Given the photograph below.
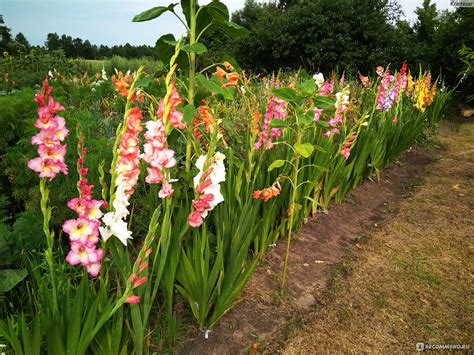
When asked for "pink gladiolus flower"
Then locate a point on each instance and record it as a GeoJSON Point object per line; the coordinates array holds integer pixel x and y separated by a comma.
{"type": "Point", "coordinates": [317, 114]}
{"type": "Point", "coordinates": [380, 71]}
{"type": "Point", "coordinates": [276, 110]}
{"type": "Point", "coordinates": [166, 190]}
{"type": "Point", "coordinates": [83, 254]}
{"type": "Point", "coordinates": [155, 176]}
{"type": "Point", "coordinates": [207, 188]}
{"type": "Point", "coordinates": [156, 151]}
{"type": "Point", "coordinates": [80, 229]}
{"type": "Point", "coordinates": [346, 152]}
{"type": "Point", "coordinates": [84, 231]}
{"type": "Point", "coordinates": [133, 299]}
{"type": "Point", "coordinates": [140, 282]}
{"type": "Point", "coordinates": [93, 269]}
{"type": "Point", "coordinates": [174, 117]}
{"type": "Point", "coordinates": [53, 131]}
{"type": "Point", "coordinates": [195, 219]}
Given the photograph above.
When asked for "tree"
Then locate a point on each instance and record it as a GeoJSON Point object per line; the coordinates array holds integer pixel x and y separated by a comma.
{"type": "Point", "coordinates": [53, 42]}
{"type": "Point", "coordinates": [21, 39]}
{"type": "Point", "coordinates": [5, 36]}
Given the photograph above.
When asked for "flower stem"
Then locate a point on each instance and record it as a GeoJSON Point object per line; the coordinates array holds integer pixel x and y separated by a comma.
{"type": "Point", "coordinates": [46, 211]}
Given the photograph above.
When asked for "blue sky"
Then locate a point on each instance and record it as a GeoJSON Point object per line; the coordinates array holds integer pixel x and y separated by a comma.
{"type": "Point", "coordinates": [109, 21]}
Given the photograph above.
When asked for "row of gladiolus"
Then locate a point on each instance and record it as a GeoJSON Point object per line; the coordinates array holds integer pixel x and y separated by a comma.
{"type": "Point", "coordinates": [267, 154]}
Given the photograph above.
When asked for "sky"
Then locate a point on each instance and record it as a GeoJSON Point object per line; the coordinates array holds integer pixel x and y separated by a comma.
{"type": "Point", "coordinates": [109, 21]}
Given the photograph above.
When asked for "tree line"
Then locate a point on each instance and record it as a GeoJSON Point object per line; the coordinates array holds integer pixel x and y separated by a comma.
{"type": "Point", "coordinates": [352, 35]}
{"type": "Point", "coordinates": [72, 47]}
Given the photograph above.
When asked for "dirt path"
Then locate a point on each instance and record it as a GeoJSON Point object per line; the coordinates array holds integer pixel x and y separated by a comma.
{"type": "Point", "coordinates": [411, 280]}
{"type": "Point", "coordinates": [428, 229]}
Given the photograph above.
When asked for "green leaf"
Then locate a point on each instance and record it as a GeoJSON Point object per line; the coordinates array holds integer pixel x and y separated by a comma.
{"type": "Point", "coordinates": [234, 30]}
{"type": "Point", "coordinates": [308, 87]}
{"type": "Point", "coordinates": [164, 47]}
{"type": "Point", "coordinates": [214, 87]}
{"type": "Point", "coordinates": [304, 149]}
{"type": "Point", "coordinates": [9, 278]}
{"type": "Point", "coordinates": [276, 164]}
{"type": "Point", "coordinates": [278, 123]}
{"type": "Point", "coordinates": [153, 13]}
{"type": "Point", "coordinates": [197, 48]}
{"type": "Point", "coordinates": [145, 81]}
{"type": "Point", "coordinates": [286, 94]}
{"type": "Point", "coordinates": [324, 102]}
{"type": "Point", "coordinates": [188, 111]}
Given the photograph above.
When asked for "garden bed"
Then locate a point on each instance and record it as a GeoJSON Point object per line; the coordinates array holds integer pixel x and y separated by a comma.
{"type": "Point", "coordinates": [316, 255]}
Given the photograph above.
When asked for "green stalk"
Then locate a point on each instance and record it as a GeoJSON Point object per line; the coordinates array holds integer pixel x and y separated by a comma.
{"type": "Point", "coordinates": [294, 179]}
{"type": "Point", "coordinates": [191, 80]}
{"type": "Point", "coordinates": [46, 211]}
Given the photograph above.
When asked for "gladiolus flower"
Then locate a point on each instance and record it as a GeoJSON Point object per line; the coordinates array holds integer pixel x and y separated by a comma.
{"type": "Point", "coordinates": [318, 79]}
{"type": "Point", "coordinates": [133, 299]}
{"type": "Point", "coordinates": [267, 193]}
{"type": "Point", "coordinates": [346, 152]}
{"type": "Point", "coordinates": [317, 114]}
{"type": "Point", "coordinates": [206, 183]}
{"type": "Point", "coordinates": [140, 282]}
{"type": "Point", "coordinates": [276, 110]}
{"type": "Point", "coordinates": [53, 131]}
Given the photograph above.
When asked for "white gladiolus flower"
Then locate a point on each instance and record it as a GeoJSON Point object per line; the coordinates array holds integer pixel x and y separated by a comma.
{"type": "Point", "coordinates": [318, 79]}
{"type": "Point", "coordinates": [114, 222]}
{"type": "Point", "coordinates": [216, 176]}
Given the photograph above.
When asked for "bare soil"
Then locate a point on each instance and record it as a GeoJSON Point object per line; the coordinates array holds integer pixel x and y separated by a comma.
{"type": "Point", "coordinates": [266, 322]}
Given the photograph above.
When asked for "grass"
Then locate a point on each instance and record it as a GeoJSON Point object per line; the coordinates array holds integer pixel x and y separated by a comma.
{"type": "Point", "coordinates": [411, 280]}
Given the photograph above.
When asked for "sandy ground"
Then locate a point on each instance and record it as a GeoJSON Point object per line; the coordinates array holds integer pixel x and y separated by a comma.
{"type": "Point", "coordinates": [411, 280]}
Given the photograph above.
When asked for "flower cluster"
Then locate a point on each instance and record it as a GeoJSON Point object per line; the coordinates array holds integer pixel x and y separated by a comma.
{"type": "Point", "coordinates": [232, 76]}
{"type": "Point", "coordinates": [53, 131]}
{"type": "Point", "coordinates": [364, 80]}
{"type": "Point", "coordinates": [138, 278]}
{"type": "Point", "coordinates": [207, 188]}
{"type": "Point", "coordinates": [159, 156]}
{"type": "Point", "coordinates": [342, 105]}
{"type": "Point", "coordinates": [156, 151]}
{"type": "Point", "coordinates": [84, 231]}
{"type": "Point", "coordinates": [268, 193]}
{"type": "Point", "coordinates": [325, 87]}
{"type": "Point", "coordinates": [127, 168]}
{"type": "Point", "coordinates": [101, 78]}
{"type": "Point", "coordinates": [173, 116]}
{"type": "Point", "coordinates": [384, 100]}
{"type": "Point", "coordinates": [422, 92]}
{"type": "Point", "coordinates": [276, 110]}
{"type": "Point", "coordinates": [346, 148]}
{"type": "Point", "coordinates": [400, 84]}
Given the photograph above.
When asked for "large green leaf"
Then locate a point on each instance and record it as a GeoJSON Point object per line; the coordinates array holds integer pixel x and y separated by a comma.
{"type": "Point", "coordinates": [324, 102]}
{"type": "Point", "coordinates": [234, 30]}
{"type": "Point", "coordinates": [188, 111]}
{"type": "Point", "coordinates": [164, 48]}
{"type": "Point", "coordinates": [214, 87]}
{"type": "Point", "coordinates": [198, 48]}
{"type": "Point", "coordinates": [276, 164]}
{"type": "Point", "coordinates": [285, 94]}
{"type": "Point", "coordinates": [304, 149]}
{"type": "Point", "coordinates": [9, 278]}
{"type": "Point", "coordinates": [153, 13]}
